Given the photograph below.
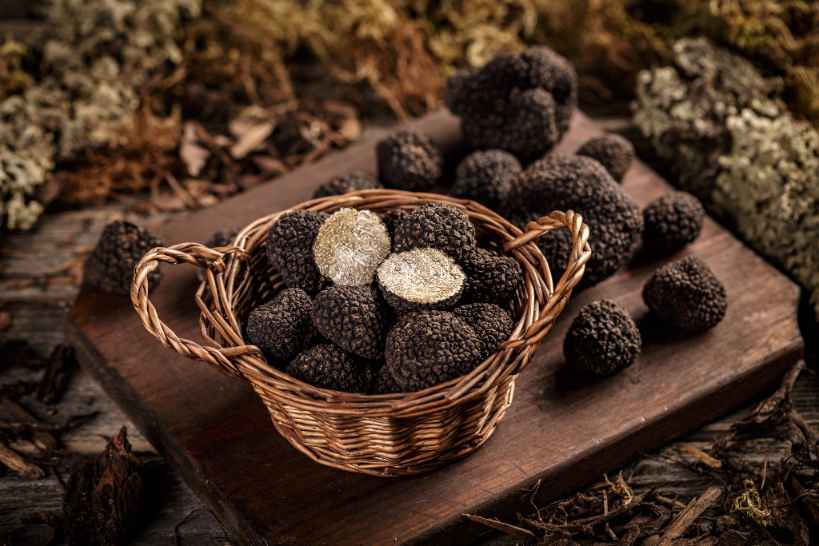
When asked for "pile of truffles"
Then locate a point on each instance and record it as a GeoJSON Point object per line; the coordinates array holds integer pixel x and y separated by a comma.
{"type": "Point", "coordinates": [382, 304]}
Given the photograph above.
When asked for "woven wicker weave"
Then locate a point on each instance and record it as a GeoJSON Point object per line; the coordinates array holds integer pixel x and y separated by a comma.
{"type": "Point", "coordinates": [383, 435]}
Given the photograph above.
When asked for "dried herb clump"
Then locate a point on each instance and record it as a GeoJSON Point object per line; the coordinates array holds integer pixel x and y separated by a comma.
{"type": "Point", "coordinates": [614, 152]}
{"type": "Point", "coordinates": [346, 183]}
{"type": "Point", "coordinates": [672, 221]}
{"type": "Point", "coordinates": [282, 327]}
{"type": "Point", "coordinates": [420, 279]}
{"type": "Point", "coordinates": [428, 348]}
{"type": "Point", "coordinates": [352, 317]}
{"type": "Point", "coordinates": [329, 367]}
{"type": "Point", "coordinates": [110, 266]}
{"type": "Point", "coordinates": [289, 248]}
{"type": "Point", "coordinates": [408, 161]}
{"type": "Point", "coordinates": [350, 245]}
{"type": "Point", "coordinates": [486, 177]}
{"type": "Point", "coordinates": [602, 339]}
{"type": "Point", "coordinates": [491, 278]}
{"type": "Point", "coordinates": [492, 324]}
{"type": "Point", "coordinates": [444, 227]}
{"type": "Point", "coordinates": [521, 103]}
{"type": "Point", "coordinates": [686, 295]}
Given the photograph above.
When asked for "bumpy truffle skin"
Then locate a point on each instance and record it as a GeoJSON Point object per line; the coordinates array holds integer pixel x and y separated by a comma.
{"type": "Point", "coordinates": [491, 278]}
{"type": "Point", "coordinates": [391, 219]}
{"type": "Point", "coordinates": [431, 347]}
{"type": "Point", "coordinates": [346, 183]}
{"type": "Point", "coordinates": [602, 339]}
{"type": "Point", "coordinates": [408, 161]}
{"type": "Point", "coordinates": [282, 327]}
{"type": "Point", "coordinates": [290, 249]}
{"type": "Point", "coordinates": [110, 267]}
{"type": "Point", "coordinates": [687, 295]}
{"type": "Point", "coordinates": [485, 177]}
{"type": "Point", "coordinates": [570, 182]}
{"type": "Point", "coordinates": [614, 152]}
{"type": "Point", "coordinates": [352, 317]}
{"type": "Point", "coordinates": [521, 103]}
{"type": "Point", "coordinates": [329, 367]}
{"type": "Point", "coordinates": [443, 227]}
{"type": "Point", "coordinates": [384, 382]}
{"type": "Point", "coordinates": [492, 324]}
{"type": "Point", "coordinates": [672, 221]}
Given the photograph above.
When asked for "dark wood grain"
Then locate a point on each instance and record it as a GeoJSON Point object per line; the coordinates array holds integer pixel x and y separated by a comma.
{"type": "Point", "coordinates": [219, 435]}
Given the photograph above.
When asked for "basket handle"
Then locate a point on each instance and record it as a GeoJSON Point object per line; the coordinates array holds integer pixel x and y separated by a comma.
{"type": "Point", "coordinates": [576, 266]}
{"type": "Point", "coordinates": [200, 256]}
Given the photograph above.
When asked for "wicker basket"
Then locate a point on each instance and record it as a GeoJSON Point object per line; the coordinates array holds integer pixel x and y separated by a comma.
{"type": "Point", "coordinates": [381, 435]}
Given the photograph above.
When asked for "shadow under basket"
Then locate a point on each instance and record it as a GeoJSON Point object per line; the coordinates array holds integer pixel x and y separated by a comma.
{"type": "Point", "coordinates": [380, 435]}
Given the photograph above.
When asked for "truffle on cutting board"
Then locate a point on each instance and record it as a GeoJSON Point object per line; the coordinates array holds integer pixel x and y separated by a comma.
{"type": "Point", "coordinates": [408, 161]}
{"type": "Point", "coordinates": [289, 248]}
{"type": "Point", "coordinates": [282, 327]}
{"type": "Point", "coordinates": [110, 266]}
{"type": "Point", "coordinates": [434, 225]}
{"type": "Point", "coordinates": [672, 221]}
{"type": "Point", "coordinates": [352, 317]}
{"type": "Point", "coordinates": [602, 339]}
{"type": "Point", "coordinates": [420, 279]}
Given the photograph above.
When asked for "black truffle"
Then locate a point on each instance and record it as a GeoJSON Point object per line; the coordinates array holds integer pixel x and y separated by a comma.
{"type": "Point", "coordinates": [491, 278]}
{"type": "Point", "coordinates": [346, 183]}
{"type": "Point", "coordinates": [408, 161]}
{"type": "Point", "coordinates": [219, 238]}
{"type": "Point", "coordinates": [565, 182]}
{"type": "Point", "coordinates": [521, 103]}
{"type": "Point", "coordinates": [556, 246]}
{"type": "Point", "coordinates": [614, 152]}
{"type": "Point", "coordinates": [352, 317]}
{"type": "Point", "coordinates": [492, 324]}
{"type": "Point", "coordinates": [672, 221]}
{"type": "Point", "coordinates": [444, 227]}
{"type": "Point", "coordinates": [427, 348]}
{"type": "Point", "coordinates": [329, 367]}
{"type": "Point", "coordinates": [110, 266]}
{"type": "Point", "coordinates": [602, 339]}
{"type": "Point", "coordinates": [290, 249]}
{"type": "Point", "coordinates": [485, 177]}
{"type": "Point", "coordinates": [384, 382]}
{"type": "Point", "coordinates": [687, 295]}
{"type": "Point", "coordinates": [420, 279]}
{"type": "Point", "coordinates": [391, 219]}
{"type": "Point", "coordinates": [282, 328]}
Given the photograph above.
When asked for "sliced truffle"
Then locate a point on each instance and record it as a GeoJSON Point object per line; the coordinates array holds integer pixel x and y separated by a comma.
{"type": "Point", "coordinates": [614, 152]}
{"type": "Point", "coordinates": [672, 221]}
{"type": "Point", "coordinates": [350, 245]}
{"type": "Point", "coordinates": [491, 278]}
{"type": "Point", "coordinates": [352, 317]}
{"type": "Point", "coordinates": [485, 177]}
{"type": "Point", "coordinates": [282, 327]}
{"type": "Point", "coordinates": [421, 278]}
{"type": "Point", "coordinates": [431, 347]}
{"type": "Point", "coordinates": [602, 339]}
{"type": "Point", "coordinates": [384, 382]}
{"type": "Point", "coordinates": [521, 103]}
{"type": "Point", "coordinates": [408, 161]}
{"type": "Point", "coordinates": [329, 367]}
{"type": "Point", "coordinates": [110, 266]}
{"type": "Point", "coordinates": [566, 182]}
{"type": "Point", "coordinates": [492, 324]}
{"type": "Point", "coordinates": [346, 183]}
{"type": "Point", "coordinates": [444, 227]}
{"type": "Point", "coordinates": [687, 295]}
{"type": "Point", "coordinates": [289, 248]}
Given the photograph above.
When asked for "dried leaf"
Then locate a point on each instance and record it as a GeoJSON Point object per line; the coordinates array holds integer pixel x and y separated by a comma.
{"type": "Point", "coordinates": [252, 138]}
{"type": "Point", "coordinates": [191, 153]}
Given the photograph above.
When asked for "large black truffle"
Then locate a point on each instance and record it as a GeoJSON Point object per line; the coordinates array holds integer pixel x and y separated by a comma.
{"type": "Point", "coordinates": [346, 183]}
{"type": "Point", "coordinates": [614, 152]}
{"type": "Point", "coordinates": [672, 221]}
{"type": "Point", "coordinates": [602, 339]}
{"type": "Point", "coordinates": [110, 266]}
{"type": "Point", "coordinates": [687, 295]}
{"type": "Point", "coordinates": [492, 324]}
{"type": "Point", "coordinates": [290, 249]}
{"type": "Point", "coordinates": [570, 182]}
{"type": "Point", "coordinates": [521, 103]}
{"type": "Point", "coordinates": [430, 347]}
{"type": "Point", "coordinates": [282, 327]}
{"type": "Point", "coordinates": [329, 367]}
{"type": "Point", "coordinates": [444, 227]}
{"type": "Point", "coordinates": [408, 161]}
{"type": "Point", "coordinates": [486, 177]}
{"type": "Point", "coordinates": [384, 382]}
{"type": "Point", "coordinates": [491, 278]}
{"type": "Point", "coordinates": [352, 317]}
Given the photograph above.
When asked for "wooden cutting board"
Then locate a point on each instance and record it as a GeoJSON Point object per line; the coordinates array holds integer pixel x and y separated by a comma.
{"type": "Point", "coordinates": [214, 429]}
